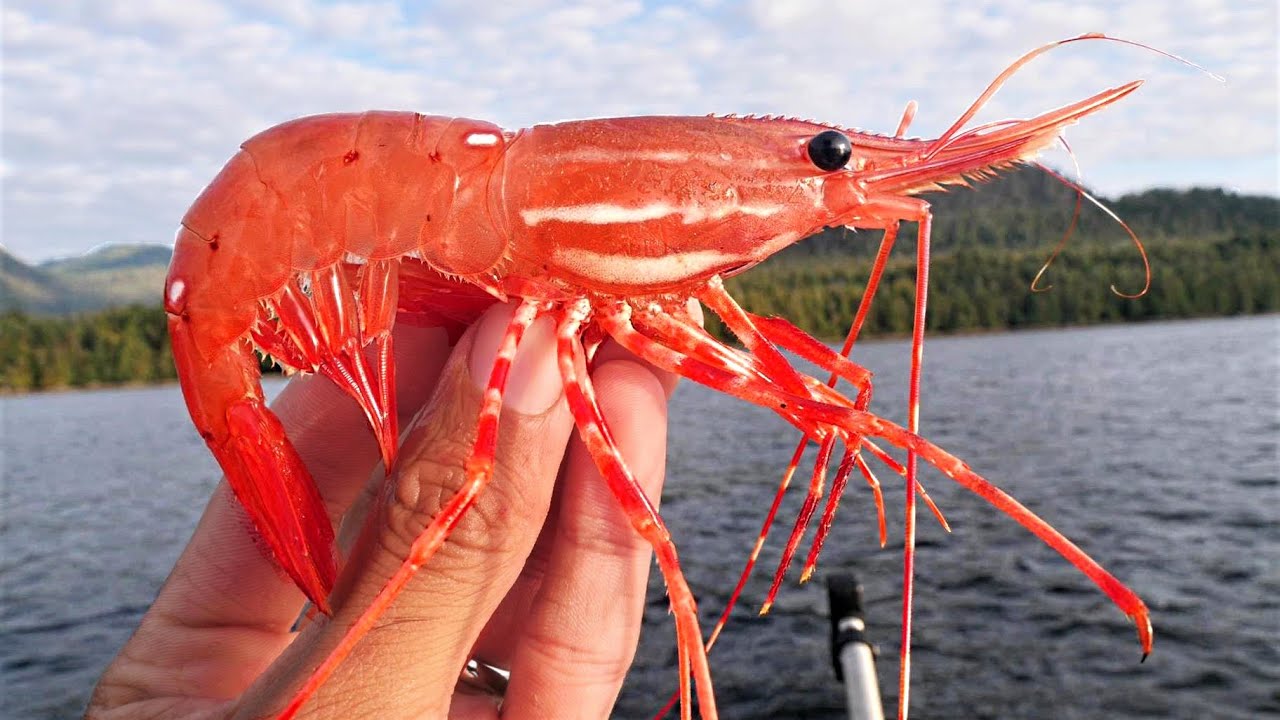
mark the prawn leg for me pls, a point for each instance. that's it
(743, 326)
(694, 340)
(478, 469)
(847, 463)
(644, 517)
(328, 328)
(617, 322)
(747, 332)
(791, 337)
(787, 335)
(925, 224)
(378, 295)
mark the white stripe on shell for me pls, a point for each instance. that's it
(482, 139)
(609, 214)
(605, 155)
(718, 159)
(610, 267)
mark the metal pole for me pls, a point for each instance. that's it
(852, 654)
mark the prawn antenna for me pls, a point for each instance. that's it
(944, 139)
(1142, 251)
(1075, 218)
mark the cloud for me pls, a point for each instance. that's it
(117, 113)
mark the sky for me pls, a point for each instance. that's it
(116, 114)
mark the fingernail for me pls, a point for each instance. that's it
(534, 384)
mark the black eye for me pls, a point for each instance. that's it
(830, 150)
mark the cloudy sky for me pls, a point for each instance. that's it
(116, 114)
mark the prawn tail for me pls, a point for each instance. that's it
(262, 467)
(977, 153)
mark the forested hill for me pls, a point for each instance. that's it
(1024, 209)
(1029, 208)
(1212, 253)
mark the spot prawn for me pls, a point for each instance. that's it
(322, 233)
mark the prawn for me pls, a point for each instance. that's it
(323, 232)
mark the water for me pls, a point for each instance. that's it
(1153, 446)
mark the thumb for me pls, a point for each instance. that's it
(409, 662)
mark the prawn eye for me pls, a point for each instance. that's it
(830, 150)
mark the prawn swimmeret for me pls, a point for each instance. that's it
(322, 231)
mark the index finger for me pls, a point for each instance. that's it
(226, 611)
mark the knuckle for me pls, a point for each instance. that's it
(431, 473)
(607, 535)
(538, 566)
(582, 663)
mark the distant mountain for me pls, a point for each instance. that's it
(25, 287)
(110, 276)
(112, 257)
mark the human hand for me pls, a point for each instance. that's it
(543, 576)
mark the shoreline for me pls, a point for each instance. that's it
(882, 337)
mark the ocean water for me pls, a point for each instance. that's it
(1154, 447)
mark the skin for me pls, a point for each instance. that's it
(544, 576)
